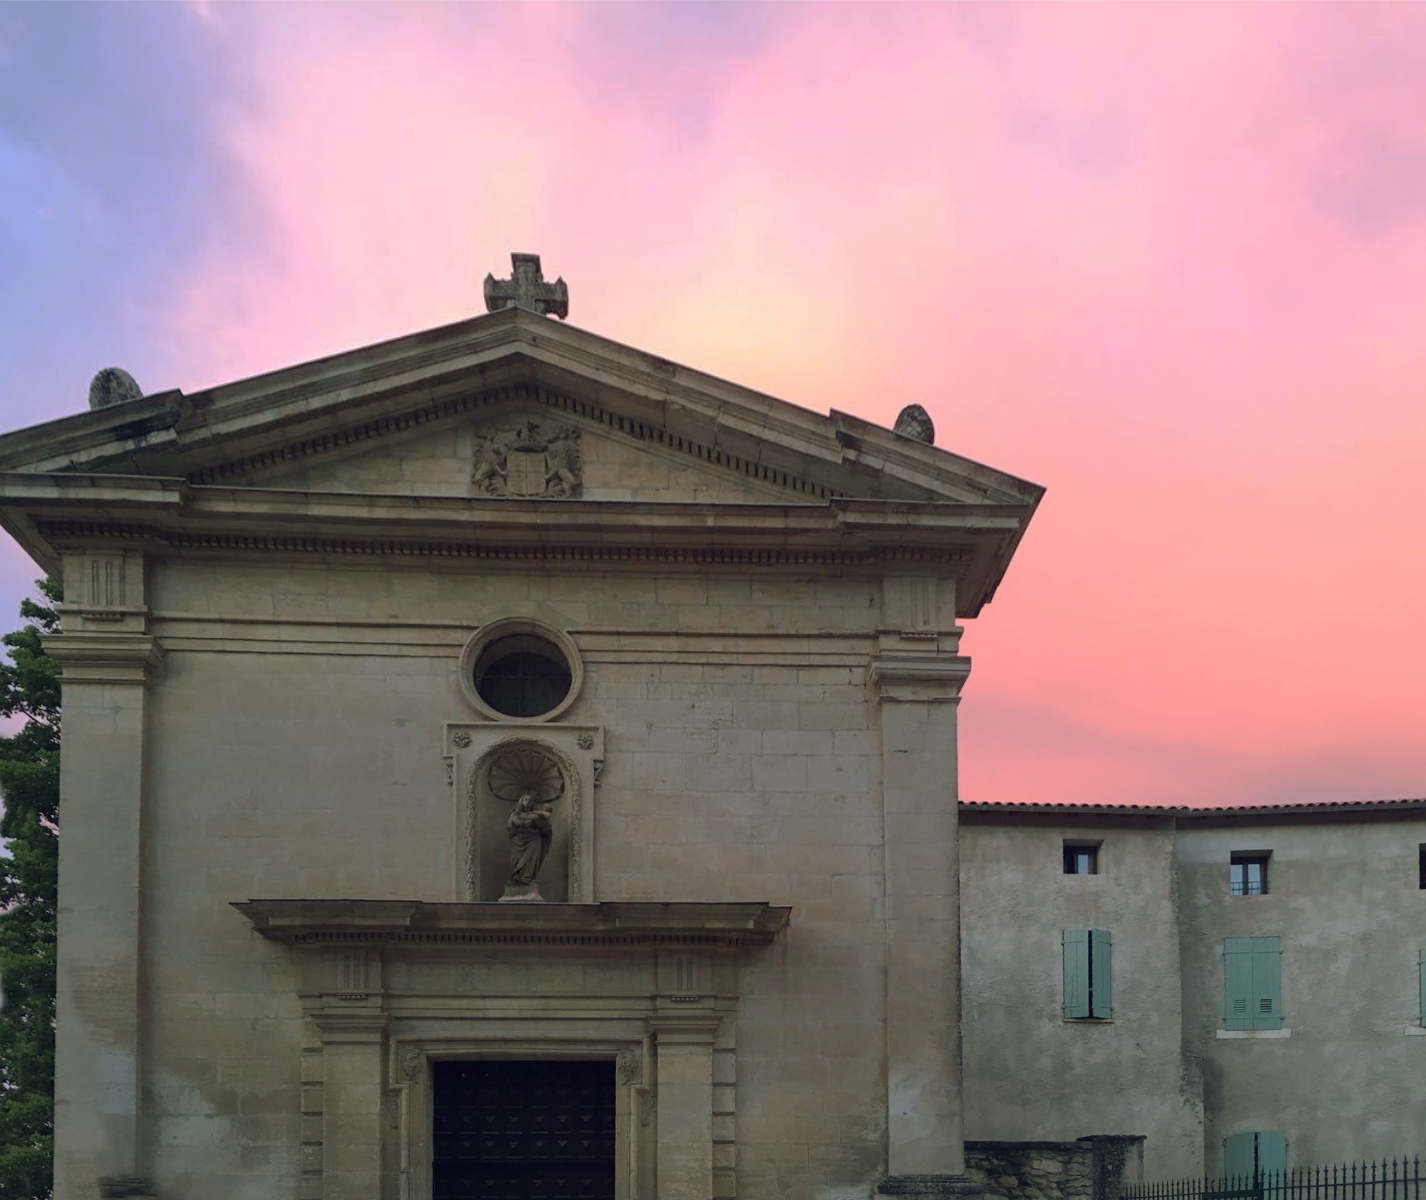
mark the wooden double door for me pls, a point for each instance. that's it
(523, 1130)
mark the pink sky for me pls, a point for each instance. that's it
(1168, 261)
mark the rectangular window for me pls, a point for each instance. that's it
(1081, 858)
(1421, 983)
(1087, 958)
(1248, 873)
(1421, 865)
(1252, 983)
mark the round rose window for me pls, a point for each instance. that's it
(521, 671)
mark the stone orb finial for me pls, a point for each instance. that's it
(112, 386)
(915, 422)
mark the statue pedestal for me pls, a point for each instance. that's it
(522, 893)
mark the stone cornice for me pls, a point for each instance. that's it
(615, 554)
(487, 405)
(921, 678)
(173, 433)
(70, 512)
(651, 924)
(464, 372)
(150, 505)
(104, 657)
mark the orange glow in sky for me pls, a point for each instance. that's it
(1168, 261)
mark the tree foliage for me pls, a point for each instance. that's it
(29, 878)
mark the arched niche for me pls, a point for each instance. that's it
(490, 765)
(525, 783)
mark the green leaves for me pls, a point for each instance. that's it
(29, 878)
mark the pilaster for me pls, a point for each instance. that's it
(918, 693)
(344, 1073)
(107, 661)
(353, 1052)
(683, 1045)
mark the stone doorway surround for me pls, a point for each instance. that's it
(388, 987)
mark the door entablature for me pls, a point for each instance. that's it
(390, 987)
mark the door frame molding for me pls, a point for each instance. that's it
(412, 1083)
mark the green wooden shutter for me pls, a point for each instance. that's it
(1240, 1153)
(1267, 984)
(1101, 973)
(1272, 1165)
(1272, 1152)
(1237, 984)
(1074, 952)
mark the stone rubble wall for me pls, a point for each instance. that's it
(1097, 1167)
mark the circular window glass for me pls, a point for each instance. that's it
(520, 670)
(522, 676)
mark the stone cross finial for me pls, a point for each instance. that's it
(526, 288)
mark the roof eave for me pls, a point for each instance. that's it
(1244, 812)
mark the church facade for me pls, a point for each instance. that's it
(503, 762)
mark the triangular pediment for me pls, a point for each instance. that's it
(453, 434)
(329, 406)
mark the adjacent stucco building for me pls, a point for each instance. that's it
(1265, 977)
(502, 758)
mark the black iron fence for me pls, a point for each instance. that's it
(1388, 1179)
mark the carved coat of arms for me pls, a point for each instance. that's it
(534, 459)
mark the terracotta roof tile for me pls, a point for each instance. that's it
(1197, 810)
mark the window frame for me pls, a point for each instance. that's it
(521, 677)
(557, 644)
(1074, 848)
(1248, 859)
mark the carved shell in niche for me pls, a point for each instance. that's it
(524, 769)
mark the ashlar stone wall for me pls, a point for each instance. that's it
(295, 750)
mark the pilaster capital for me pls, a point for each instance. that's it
(104, 591)
(685, 1029)
(364, 1026)
(122, 658)
(927, 678)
